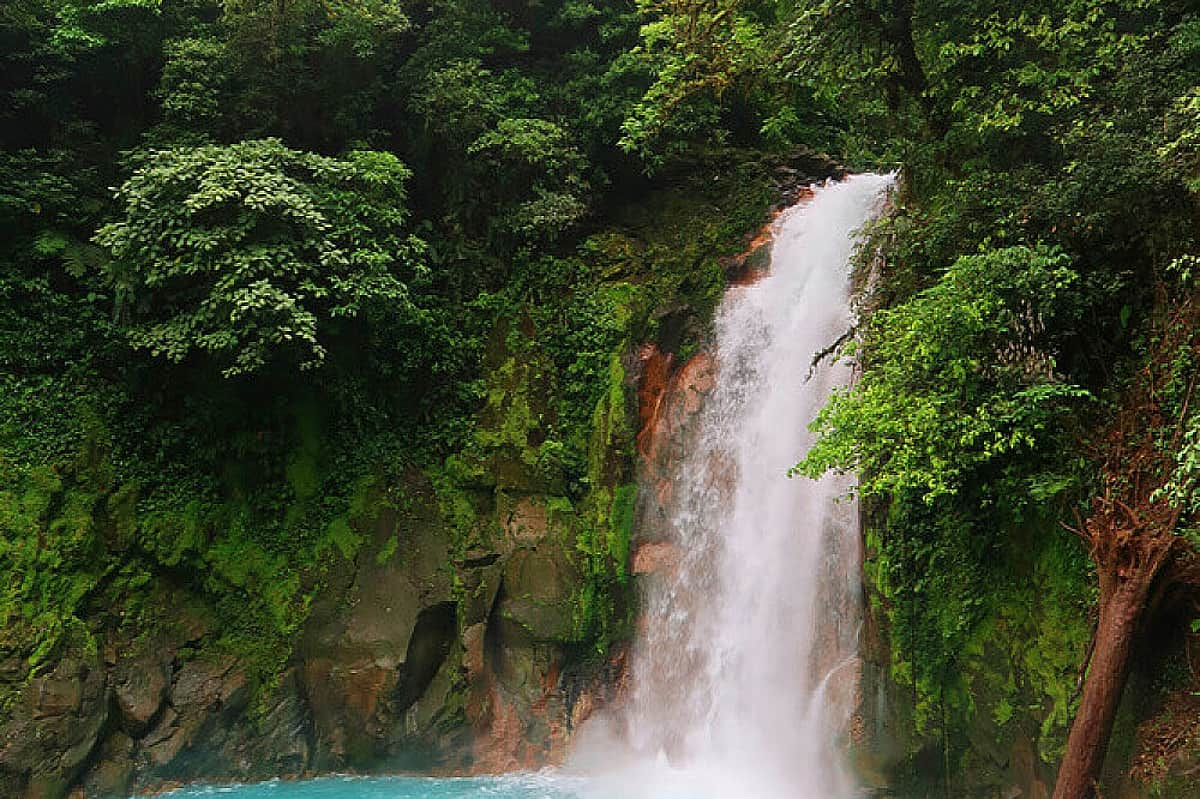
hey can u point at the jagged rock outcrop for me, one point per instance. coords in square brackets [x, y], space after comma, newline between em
[59, 720]
[437, 648]
[424, 660]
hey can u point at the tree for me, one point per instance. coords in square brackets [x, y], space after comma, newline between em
[866, 49]
[1023, 123]
[957, 381]
[309, 71]
[74, 72]
[536, 157]
[1139, 531]
[697, 50]
[252, 252]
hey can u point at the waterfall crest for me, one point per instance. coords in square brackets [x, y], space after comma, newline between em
[744, 671]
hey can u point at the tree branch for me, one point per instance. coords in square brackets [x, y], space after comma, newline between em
[830, 350]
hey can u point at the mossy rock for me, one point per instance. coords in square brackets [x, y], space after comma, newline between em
[515, 423]
[538, 594]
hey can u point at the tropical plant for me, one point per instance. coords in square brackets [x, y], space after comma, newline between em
[253, 252]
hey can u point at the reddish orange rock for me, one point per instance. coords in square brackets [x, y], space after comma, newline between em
[656, 371]
[654, 557]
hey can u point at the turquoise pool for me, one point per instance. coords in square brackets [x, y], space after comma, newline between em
[517, 786]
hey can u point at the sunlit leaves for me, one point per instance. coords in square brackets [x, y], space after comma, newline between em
[83, 25]
[955, 380]
[539, 154]
[246, 253]
[697, 50]
[1182, 148]
[1036, 62]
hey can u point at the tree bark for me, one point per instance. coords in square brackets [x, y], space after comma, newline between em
[1120, 615]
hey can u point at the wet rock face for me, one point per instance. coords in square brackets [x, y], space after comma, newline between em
[670, 399]
[427, 659]
[58, 721]
[203, 695]
[523, 693]
[140, 688]
[989, 758]
[372, 649]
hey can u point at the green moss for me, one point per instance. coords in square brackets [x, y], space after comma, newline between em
[386, 551]
[342, 536]
[456, 504]
[121, 508]
[176, 534]
[255, 553]
[982, 664]
[363, 506]
[53, 545]
[620, 528]
[669, 244]
[1003, 712]
[454, 710]
[559, 508]
[42, 484]
[508, 405]
[607, 516]
[366, 498]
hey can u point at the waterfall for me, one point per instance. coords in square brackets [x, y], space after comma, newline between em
[744, 671]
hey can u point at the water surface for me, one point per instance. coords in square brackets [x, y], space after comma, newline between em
[513, 786]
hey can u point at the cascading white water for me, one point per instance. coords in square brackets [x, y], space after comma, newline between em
[745, 666]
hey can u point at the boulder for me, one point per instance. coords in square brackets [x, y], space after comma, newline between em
[112, 775]
[205, 700]
[537, 594]
[140, 688]
[53, 729]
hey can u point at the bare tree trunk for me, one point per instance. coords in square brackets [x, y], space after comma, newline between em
[1120, 613]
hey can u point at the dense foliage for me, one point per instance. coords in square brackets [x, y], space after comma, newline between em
[956, 388]
[237, 252]
[258, 258]
[1048, 187]
[262, 262]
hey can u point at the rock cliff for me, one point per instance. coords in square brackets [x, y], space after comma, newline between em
[481, 617]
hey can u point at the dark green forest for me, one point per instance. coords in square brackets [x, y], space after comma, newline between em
[271, 268]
